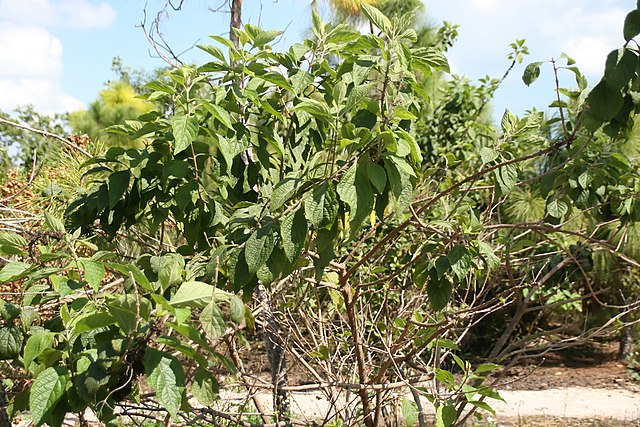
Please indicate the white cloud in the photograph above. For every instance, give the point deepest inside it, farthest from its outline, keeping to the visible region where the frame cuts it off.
(29, 51)
(45, 95)
(589, 53)
(62, 13)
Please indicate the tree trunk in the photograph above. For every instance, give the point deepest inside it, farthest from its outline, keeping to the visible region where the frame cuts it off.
(236, 21)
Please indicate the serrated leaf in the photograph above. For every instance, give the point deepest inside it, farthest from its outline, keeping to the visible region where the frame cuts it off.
(557, 208)
(11, 340)
(219, 113)
(185, 130)
(354, 189)
(166, 377)
(278, 80)
(293, 230)
(94, 272)
(125, 310)
(321, 206)
(46, 391)
(205, 388)
(197, 294)
(376, 17)
(212, 321)
(531, 73)
(35, 345)
(488, 155)
(259, 247)
(14, 270)
(282, 192)
(54, 223)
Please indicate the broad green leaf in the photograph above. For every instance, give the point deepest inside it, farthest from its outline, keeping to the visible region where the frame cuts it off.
(212, 321)
(488, 154)
(197, 294)
(214, 51)
(91, 322)
(259, 246)
(185, 130)
(460, 261)
(118, 185)
(53, 223)
(134, 271)
(377, 176)
(278, 80)
(282, 192)
(506, 178)
(487, 367)
(316, 108)
(446, 415)
(439, 292)
(620, 68)
(12, 243)
(11, 340)
(160, 87)
(204, 387)
(429, 59)
(219, 113)
(293, 230)
(531, 73)
(631, 26)
(321, 206)
(35, 345)
(125, 310)
(237, 309)
(354, 189)
(46, 391)
(260, 37)
(94, 272)
(557, 208)
(166, 377)
(14, 270)
(376, 17)
(604, 102)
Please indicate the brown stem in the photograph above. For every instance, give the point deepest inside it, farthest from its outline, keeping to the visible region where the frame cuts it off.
(236, 20)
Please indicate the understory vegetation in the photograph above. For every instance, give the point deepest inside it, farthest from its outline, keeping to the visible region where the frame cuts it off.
(344, 204)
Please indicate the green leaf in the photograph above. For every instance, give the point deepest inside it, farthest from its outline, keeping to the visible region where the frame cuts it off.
(197, 294)
(91, 322)
(293, 230)
(354, 189)
(321, 206)
(212, 321)
(118, 185)
(219, 113)
(12, 243)
(260, 37)
(94, 272)
(166, 377)
(125, 309)
(160, 87)
(282, 192)
(35, 345)
(14, 270)
(53, 223)
(487, 367)
(531, 73)
(205, 388)
(377, 176)
(46, 391)
(439, 292)
(237, 309)
(278, 80)
(604, 102)
(620, 68)
(446, 415)
(506, 178)
(557, 208)
(376, 17)
(214, 51)
(488, 155)
(316, 108)
(429, 59)
(11, 340)
(259, 247)
(631, 26)
(185, 130)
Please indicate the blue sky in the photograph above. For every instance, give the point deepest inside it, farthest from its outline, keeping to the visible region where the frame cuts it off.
(56, 54)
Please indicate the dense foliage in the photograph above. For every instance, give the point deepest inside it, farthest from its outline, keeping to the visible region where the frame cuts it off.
(376, 233)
